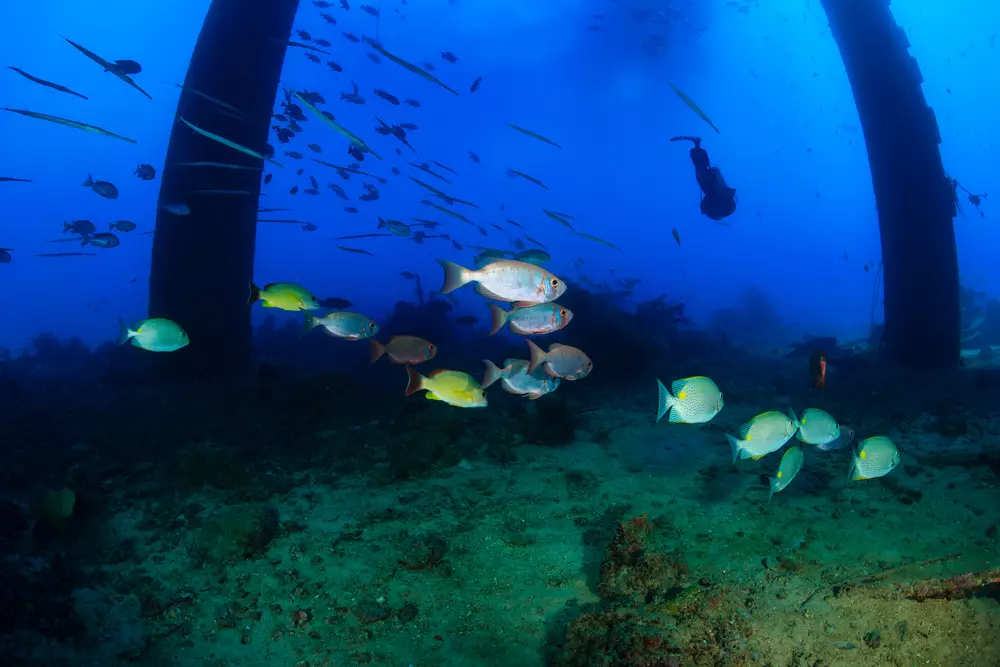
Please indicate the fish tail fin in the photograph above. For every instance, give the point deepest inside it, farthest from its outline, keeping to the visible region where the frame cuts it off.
(66, 227)
(537, 356)
(254, 294)
(795, 419)
(491, 375)
(854, 466)
(454, 276)
(381, 223)
(378, 349)
(124, 332)
(415, 381)
(498, 318)
(84, 240)
(735, 446)
(772, 483)
(89, 182)
(664, 402)
(309, 323)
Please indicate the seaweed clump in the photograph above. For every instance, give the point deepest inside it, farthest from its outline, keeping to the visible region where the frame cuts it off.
(646, 617)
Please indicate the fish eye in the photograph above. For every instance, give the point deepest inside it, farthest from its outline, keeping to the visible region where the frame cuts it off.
(554, 282)
(430, 347)
(371, 324)
(562, 313)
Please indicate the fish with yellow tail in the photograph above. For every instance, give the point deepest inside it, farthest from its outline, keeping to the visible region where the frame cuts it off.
(693, 400)
(155, 335)
(284, 296)
(452, 387)
(818, 427)
(767, 432)
(874, 457)
(561, 361)
(789, 467)
(505, 280)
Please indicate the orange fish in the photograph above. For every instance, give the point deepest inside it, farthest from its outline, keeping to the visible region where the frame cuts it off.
(817, 369)
(403, 350)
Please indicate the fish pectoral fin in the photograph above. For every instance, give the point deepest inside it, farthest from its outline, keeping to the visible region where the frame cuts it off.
(758, 457)
(431, 396)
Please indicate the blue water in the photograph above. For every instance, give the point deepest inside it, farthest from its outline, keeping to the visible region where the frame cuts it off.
(770, 78)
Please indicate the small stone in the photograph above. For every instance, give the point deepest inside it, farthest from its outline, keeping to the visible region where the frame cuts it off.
(407, 612)
(873, 638)
(372, 612)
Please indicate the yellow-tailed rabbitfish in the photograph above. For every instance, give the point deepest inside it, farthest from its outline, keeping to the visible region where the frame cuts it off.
(817, 427)
(285, 296)
(505, 280)
(341, 324)
(452, 387)
(694, 400)
(515, 378)
(767, 432)
(789, 467)
(873, 458)
(155, 334)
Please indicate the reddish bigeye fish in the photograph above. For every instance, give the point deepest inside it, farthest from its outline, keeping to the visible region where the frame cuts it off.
(561, 361)
(403, 350)
(817, 369)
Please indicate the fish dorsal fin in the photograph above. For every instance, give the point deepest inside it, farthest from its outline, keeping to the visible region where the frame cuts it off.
(437, 372)
(269, 286)
(431, 396)
(677, 386)
(745, 430)
(555, 346)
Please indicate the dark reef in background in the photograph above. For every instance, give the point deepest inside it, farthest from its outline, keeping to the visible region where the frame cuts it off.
(913, 195)
(202, 262)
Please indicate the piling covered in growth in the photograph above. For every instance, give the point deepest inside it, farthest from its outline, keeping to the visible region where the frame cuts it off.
(202, 262)
(913, 195)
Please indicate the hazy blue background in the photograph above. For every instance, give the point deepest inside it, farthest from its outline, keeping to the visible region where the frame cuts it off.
(770, 77)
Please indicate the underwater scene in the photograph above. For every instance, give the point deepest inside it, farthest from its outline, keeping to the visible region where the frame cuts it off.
(482, 333)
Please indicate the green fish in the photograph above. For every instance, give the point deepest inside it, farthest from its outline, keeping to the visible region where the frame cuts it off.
(515, 172)
(220, 165)
(354, 139)
(154, 335)
(599, 240)
(534, 135)
(70, 123)
(409, 66)
(694, 107)
(228, 107)
(48, 84)
(226, 142)
(451, 213)
(351, 170)
(558, 218)
(767, 432)
(789, 467)
(873, 458)
(429, 171)
(108, 66)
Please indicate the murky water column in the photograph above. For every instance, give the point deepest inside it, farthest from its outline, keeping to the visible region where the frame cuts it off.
(202, 262)
(913, 195)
